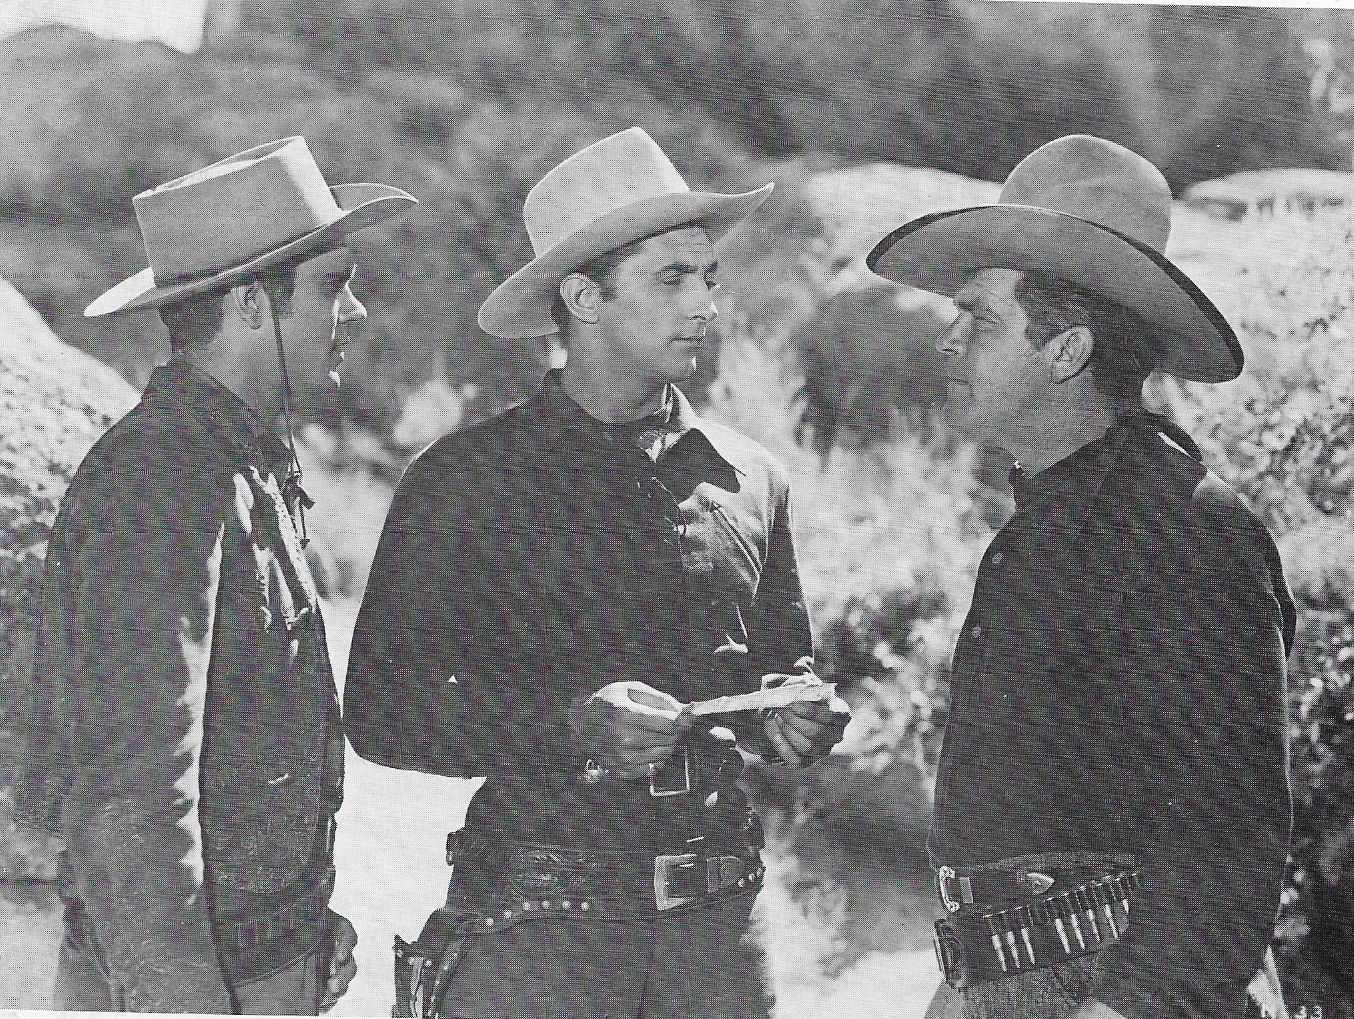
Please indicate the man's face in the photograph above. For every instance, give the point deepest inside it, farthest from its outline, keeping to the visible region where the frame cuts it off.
(653, 325)
(998, 382)
(323, 301)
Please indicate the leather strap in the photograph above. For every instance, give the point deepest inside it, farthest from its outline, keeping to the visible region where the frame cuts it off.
(976, 946)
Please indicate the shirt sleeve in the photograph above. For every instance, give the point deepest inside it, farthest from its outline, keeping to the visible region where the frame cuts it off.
(780, 639)
(452, 669)
(140, 580)
(1208, 816)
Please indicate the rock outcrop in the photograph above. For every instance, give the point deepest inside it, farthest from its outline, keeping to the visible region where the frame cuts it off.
(54, 402)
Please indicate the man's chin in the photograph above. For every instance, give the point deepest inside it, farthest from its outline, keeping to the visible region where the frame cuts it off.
(682, 371)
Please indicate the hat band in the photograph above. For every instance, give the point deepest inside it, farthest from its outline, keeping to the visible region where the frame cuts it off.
(198, 275)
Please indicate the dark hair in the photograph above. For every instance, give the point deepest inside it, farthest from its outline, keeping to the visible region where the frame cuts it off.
(601, 270)
(194, 321)
(1121, 358)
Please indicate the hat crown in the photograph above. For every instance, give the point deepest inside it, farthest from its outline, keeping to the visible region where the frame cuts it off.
(233, 211)
(607, 176)
(1096, 180)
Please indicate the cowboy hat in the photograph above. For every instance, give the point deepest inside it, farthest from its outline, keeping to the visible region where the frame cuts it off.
(1092, 213)
(221, 224)
(616, 191)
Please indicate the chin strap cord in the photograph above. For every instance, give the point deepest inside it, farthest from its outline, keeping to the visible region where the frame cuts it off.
(292, 493)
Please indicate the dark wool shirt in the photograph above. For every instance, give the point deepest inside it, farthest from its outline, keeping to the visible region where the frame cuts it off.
(538, 557)
(181, 720)
(1118, 687)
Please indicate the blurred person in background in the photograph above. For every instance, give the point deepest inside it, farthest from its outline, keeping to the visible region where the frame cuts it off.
(182, 721)
(1112, 809)
(550, 590)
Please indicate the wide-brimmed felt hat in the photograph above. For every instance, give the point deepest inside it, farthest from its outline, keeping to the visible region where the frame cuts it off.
(1092, 213)
(615, 191)
(221, 224)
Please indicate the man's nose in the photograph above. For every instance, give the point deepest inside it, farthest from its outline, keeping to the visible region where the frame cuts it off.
(951, 340)
(705, 308)
(350, 308)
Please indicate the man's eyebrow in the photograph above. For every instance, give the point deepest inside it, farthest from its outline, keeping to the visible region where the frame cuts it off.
(688, 267)
(974, 301)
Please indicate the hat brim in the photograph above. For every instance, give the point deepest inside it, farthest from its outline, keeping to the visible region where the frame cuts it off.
(362, 205)
(936, 252)
(520, 306)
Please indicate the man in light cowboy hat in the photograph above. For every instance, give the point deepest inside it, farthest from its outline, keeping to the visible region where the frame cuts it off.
(552, 590)
(1112, 808)
(183, 727)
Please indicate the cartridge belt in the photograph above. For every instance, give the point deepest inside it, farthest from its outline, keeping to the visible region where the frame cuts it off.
(977, 943)
(264, 940)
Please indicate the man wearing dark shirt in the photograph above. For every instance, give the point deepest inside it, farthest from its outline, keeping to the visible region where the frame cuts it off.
(182, 724)
(552, 587)
(1112, 809)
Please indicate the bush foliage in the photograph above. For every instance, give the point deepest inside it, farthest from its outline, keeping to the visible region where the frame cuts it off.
(465, 103)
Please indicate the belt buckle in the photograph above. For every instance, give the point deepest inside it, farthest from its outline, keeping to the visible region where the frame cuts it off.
(663, 868)
(674, 789)
(943, 876)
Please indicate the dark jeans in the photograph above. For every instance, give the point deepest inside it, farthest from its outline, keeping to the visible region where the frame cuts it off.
(696, 962)
(83, 983)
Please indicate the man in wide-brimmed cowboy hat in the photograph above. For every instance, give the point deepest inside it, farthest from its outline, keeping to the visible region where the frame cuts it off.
(553, 587)
(1112, 808)
(183, 726)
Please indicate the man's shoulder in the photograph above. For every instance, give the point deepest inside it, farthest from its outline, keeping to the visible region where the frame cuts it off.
(745, 453)
(142, 448)
(499, 443)
(1180, 490)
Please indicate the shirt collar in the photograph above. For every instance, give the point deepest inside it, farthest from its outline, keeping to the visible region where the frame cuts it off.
(561, 411)
(192, 391)
(1063, 481)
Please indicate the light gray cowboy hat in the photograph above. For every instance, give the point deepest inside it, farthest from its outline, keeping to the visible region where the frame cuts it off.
(219, 225)
(1090, 212)
(615, 191)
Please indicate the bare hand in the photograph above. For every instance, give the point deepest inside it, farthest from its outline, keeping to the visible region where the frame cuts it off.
(342, 965)
(807, 731)
(625, 727)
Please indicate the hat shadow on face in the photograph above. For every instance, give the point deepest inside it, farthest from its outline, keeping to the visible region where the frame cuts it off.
(612, 193)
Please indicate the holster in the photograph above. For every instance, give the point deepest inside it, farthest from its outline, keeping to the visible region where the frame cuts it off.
(424, 968)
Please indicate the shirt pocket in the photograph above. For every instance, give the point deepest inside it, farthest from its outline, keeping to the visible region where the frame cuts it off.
(728, 544)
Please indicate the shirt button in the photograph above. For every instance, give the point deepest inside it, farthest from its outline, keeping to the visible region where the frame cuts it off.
(976, 633)
(998, 558)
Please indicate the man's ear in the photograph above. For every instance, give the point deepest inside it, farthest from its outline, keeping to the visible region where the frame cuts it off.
(1069, 353)
(581, 296)
(248, 301)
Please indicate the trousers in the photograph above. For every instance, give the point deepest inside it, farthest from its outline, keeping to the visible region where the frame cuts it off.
(83, 983)
(688, 962)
